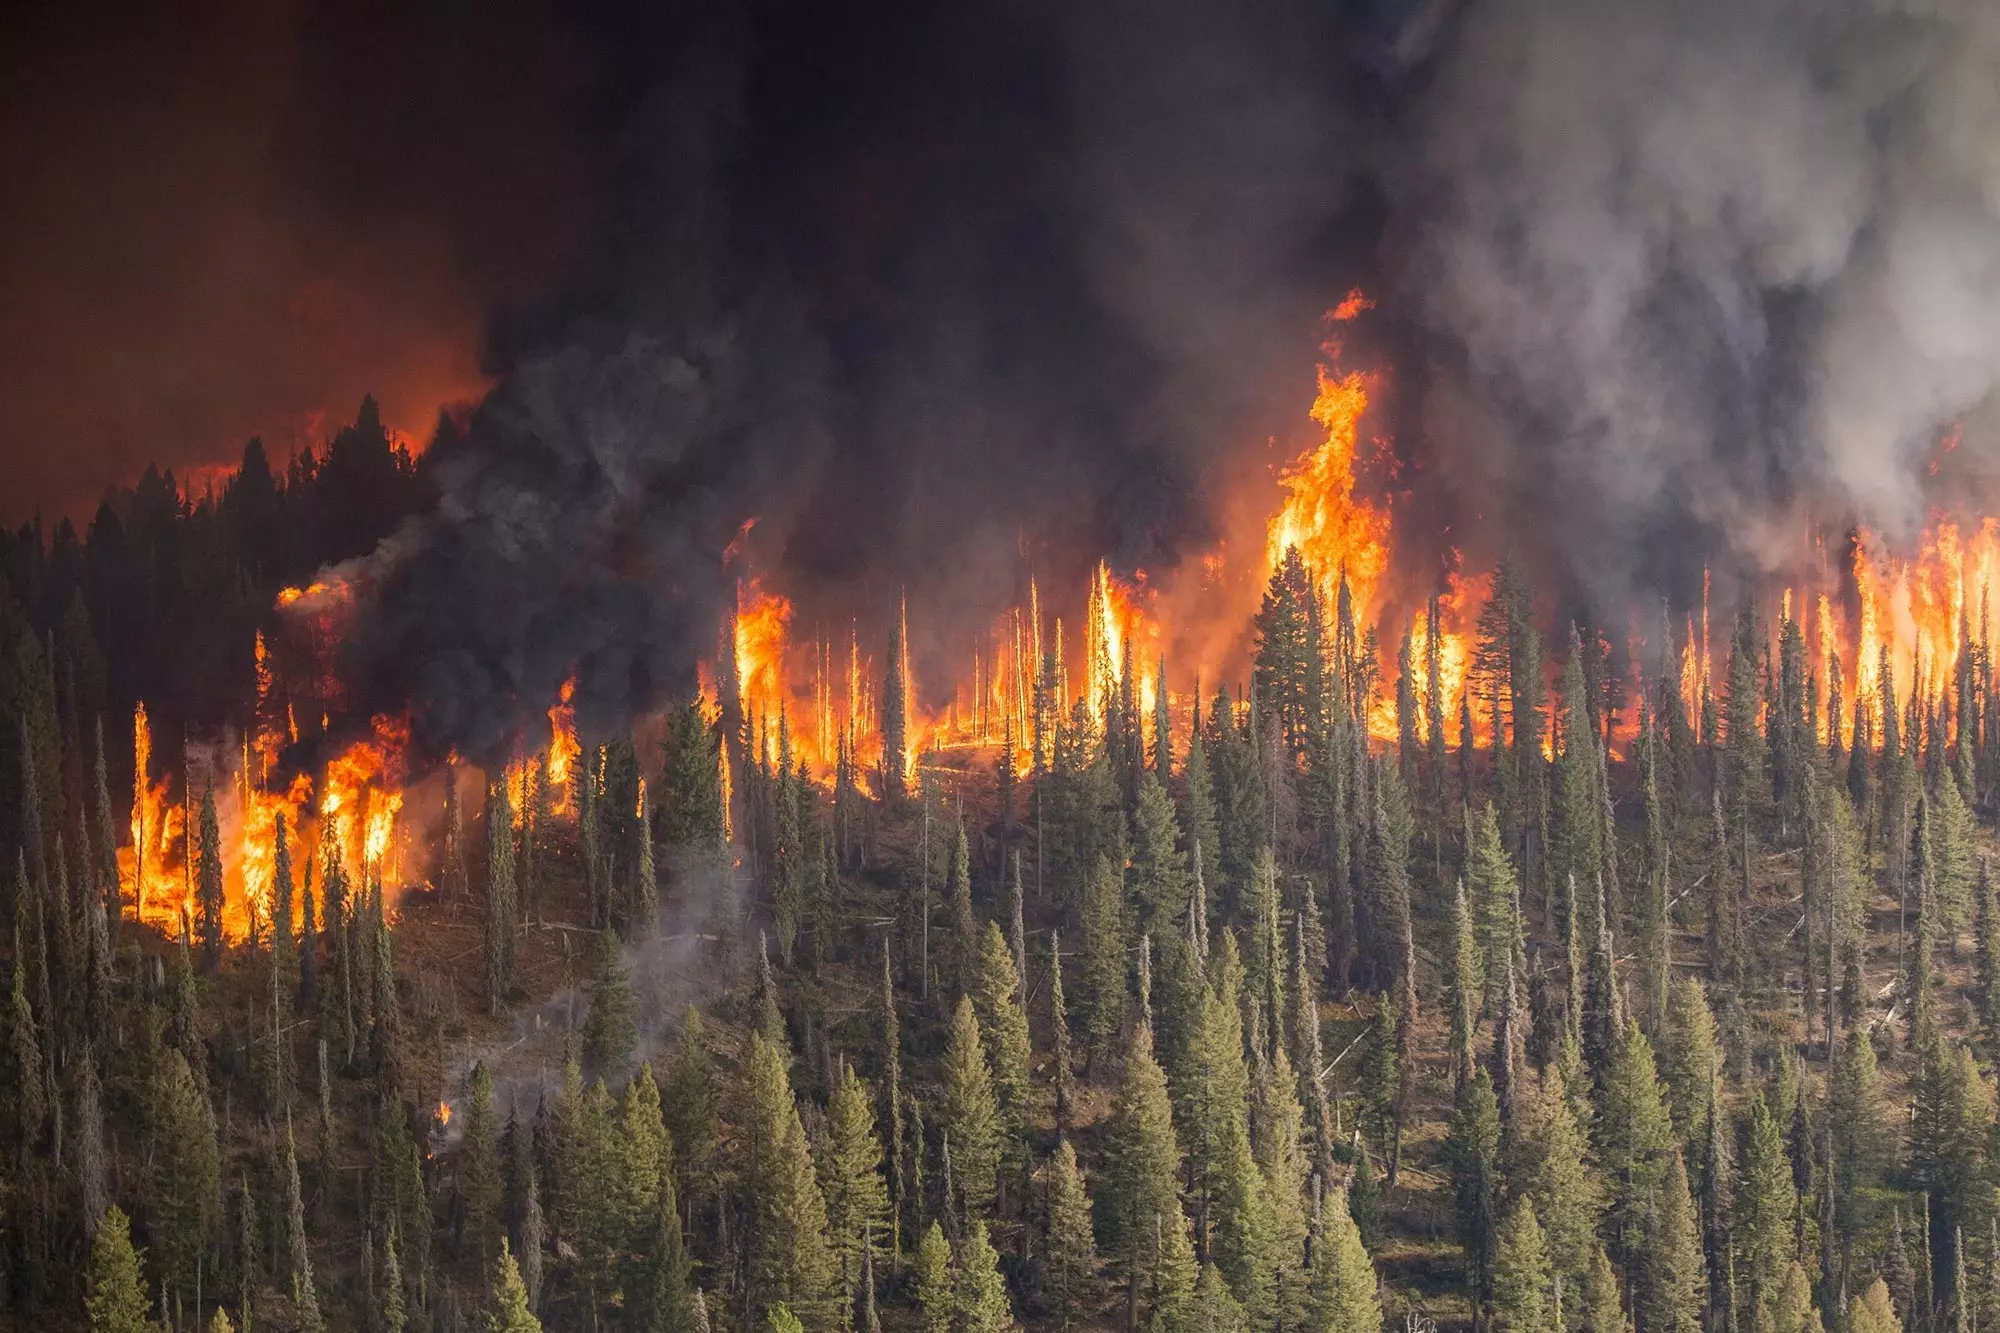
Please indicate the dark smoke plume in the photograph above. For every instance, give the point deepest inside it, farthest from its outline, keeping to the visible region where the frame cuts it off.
(937, 292)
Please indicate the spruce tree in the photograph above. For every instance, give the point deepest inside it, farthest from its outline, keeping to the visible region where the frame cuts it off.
(978, 1297)
(964, 924)
(1157, 880)
(1635, 1142)
(1951, 1127)
(186, 1196)
(1766, 1207)
(1072, 1255)
(688, 1105)
(1138, 1206)
(1523, 1278)
(1061, 1073)
(1472, 1152)
(850, 1173)
(1599, 1307)
(971, 1113)
(1342, 1286)
(1548, 1164)
(1672, 1278)
(1003, 1024)
(609, 1030)
(1792, 1311)
(932, 1281)
(500, 897)
(1101, 978)
(1215, 1308)
(116, 1299)
(208, 883)
(284, 945)
(1495, 900)
(479, 1169)
(1468, 984)
(787, 1254)
(1693, 1062)
(1872, 1313)
(507, 1311)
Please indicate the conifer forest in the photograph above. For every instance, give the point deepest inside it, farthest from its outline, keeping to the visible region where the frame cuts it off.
(868, 666)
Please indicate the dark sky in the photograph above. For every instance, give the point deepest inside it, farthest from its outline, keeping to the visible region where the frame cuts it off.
(236, 218)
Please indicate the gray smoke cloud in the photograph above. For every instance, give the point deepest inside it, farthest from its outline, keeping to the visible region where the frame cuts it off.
(1706, 268)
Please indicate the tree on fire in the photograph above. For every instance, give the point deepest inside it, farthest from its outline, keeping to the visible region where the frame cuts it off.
(1612, 991)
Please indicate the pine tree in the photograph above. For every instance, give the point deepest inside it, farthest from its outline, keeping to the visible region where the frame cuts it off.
(1472, 1151)
(305, 1299)
(1061, 1072)
(500, 897)
(971, 1114)
(609, 1030)
(1138, 1207)
(932, 1281)
(1276, 1130)
(284, 945)
(1693, 1062)
(1468, 984)
(1101, 989)
(1158, 879)
(1226, 1167)
(186, 1197)
(1342, 1285)
(688, 1104)
(479, 1169)
(1548, 1165)
(1950, 1128)
(1003, 1024)
(1872, 1312)
(661, 1292)
(1672, 1276)
(1215, 1308)
(1766, 1207)
(395, 1310)
(1072, 1253)
(117, 1296)
(508, 1311)
(1863, 1142)
(1523, 1279)
(1635, 1142)
(1793, 1311)
(979, 1297)
(787, 1254)
(1599, 1308)
(1495, 898)
(208, 883)
(1197, 811)
(850, 1174)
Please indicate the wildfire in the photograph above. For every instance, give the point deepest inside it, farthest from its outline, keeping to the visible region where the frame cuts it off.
(563, 746)
(1338, 533)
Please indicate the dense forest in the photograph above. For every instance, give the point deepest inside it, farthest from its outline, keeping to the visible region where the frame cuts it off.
(1620, 1011)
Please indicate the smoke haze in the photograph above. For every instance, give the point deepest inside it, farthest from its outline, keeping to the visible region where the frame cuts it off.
(923, 289)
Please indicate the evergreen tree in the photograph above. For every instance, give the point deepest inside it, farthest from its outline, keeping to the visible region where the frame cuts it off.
(1197, 811)
(1950, 1130)
(1003, 1023)
(850, 1173)
(1495, 898)
(1548, 1166)
(1872, 1312)
(507, 1311)
(500, 896)
(1635, 1143)
(786, 1247)
(1101, 989)
(688, 1105)
(1138, 1207)
(1793, 1311)
(895, 713)
(1072, 1253)
(933, 1281)
(978, 1296)
(1215, 1308)
(1693, 1060)
(609, 1029)
(1219, 1137)
(1157, 881)
(1342, 1283)
(1468, 984)
(1672, 1277)
(971, 1114)
(1472, 1151)
(208, 882)
(186, 1197)
(284, 945)
(1061, 1073)
(1276, 1129)
(1599, 1308)
(1766, 1208)
(964, 924)
(116, 1302)
(479, 1169)
(1523, 1279)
